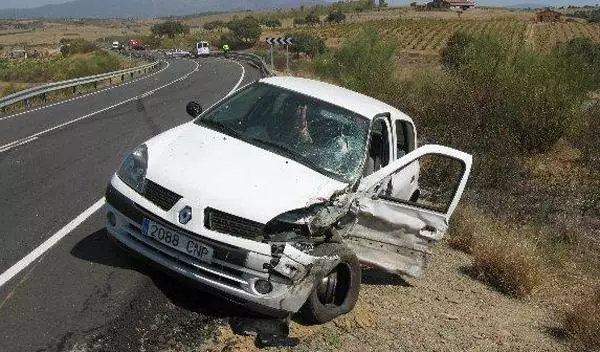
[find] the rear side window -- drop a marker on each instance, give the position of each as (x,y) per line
(405,142)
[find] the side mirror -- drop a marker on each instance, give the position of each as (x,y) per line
(193,109)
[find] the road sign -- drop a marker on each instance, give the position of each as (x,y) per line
(279,41)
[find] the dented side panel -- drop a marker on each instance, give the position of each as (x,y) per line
(395,240)
(395,235)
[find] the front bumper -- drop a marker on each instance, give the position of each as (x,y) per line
(233,272)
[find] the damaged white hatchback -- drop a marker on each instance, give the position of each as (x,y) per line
(276,195)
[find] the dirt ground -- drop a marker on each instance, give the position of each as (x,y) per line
(445,310)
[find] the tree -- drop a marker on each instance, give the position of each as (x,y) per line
(169,29)
(336,17)
(299,21)
(244,32)
(306,43)
(312,18)
(212,25)
(272,22)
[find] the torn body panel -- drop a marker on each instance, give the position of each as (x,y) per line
(301,272)
(397,242)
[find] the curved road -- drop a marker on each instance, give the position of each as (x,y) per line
(83,293)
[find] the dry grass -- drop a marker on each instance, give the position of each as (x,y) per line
(508,262)
(502,257)
(582,323)
(465,226)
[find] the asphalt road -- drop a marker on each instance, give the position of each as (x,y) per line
(84,293)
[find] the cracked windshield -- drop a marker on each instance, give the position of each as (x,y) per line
(323,136)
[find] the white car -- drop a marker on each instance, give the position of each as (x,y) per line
(202,49)
(275,195)
(116,45)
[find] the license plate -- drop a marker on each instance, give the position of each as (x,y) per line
(177,241)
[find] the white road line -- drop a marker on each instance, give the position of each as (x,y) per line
(22,141)
(85,95)
(42,248)
(241,78)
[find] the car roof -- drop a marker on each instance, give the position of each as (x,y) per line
(348,99)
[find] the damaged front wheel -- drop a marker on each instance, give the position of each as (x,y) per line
(337,292)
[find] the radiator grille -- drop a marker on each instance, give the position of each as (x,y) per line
(232,225)
(160,196)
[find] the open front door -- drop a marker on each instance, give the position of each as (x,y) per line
(397,235)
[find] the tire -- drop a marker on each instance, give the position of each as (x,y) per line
(337,292)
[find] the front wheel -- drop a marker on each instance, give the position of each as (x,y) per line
(337,292)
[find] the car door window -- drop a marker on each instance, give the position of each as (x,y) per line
(378,155)
(439,177)
(405,138)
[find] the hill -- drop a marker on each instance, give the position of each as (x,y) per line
(144,8)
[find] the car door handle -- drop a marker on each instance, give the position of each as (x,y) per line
(413,179)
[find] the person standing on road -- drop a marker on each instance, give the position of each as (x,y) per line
(225,49)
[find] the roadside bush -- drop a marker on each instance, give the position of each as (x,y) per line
(307,44)
(9,89)
(272,22)
(59,68)
(336,17)
(532,95)
(312,19)
(299,21)
(463,229)
(455,52)
(76,46)
(365,63)
(586,134)
(582,323)
(507,262)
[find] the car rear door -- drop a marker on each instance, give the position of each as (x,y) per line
(397,235)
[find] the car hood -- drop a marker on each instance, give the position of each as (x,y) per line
(211,169)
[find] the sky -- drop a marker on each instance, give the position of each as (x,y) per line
(7,4)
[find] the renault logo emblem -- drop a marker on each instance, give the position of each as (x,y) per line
(185,215)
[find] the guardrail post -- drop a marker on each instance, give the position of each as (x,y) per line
(122,78)
(74,89)
(131,75)
(96,85)
(44,98)
(26,103)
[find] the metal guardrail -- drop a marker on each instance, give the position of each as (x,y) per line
(43,90)
(253,59)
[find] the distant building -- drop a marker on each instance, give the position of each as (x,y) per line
(548,15)
(446,4)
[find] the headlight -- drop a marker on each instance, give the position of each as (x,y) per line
(133,169)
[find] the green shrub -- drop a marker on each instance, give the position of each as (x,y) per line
(76,46)
(586,134)
(364,63)
(306,43)
(244,33)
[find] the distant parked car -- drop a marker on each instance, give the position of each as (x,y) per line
(276,194)
(202,49)
(117,45)
(135,44)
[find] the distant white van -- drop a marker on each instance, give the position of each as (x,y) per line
(202,49)
(116,45)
